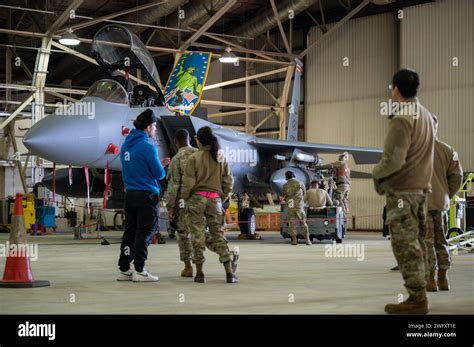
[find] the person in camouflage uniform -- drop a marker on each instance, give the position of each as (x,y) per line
(175,203)
(293,193)
(343,182)
(206,182)
(446,181)
(403,175)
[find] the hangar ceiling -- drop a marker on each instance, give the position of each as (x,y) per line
(39,72)
(160,26)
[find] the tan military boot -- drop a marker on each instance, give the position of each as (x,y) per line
(294,240)
(199,278)
(443,282)
(431,285)
(230,276)
(308,241)
(415,304)
(188,269)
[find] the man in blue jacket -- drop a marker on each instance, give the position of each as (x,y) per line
(141,172)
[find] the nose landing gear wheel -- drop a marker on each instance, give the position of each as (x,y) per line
(248,225)
(248,221)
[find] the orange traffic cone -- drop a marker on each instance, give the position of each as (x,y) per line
(17,268)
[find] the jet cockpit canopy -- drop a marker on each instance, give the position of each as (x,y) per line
(117,50)
(108,90)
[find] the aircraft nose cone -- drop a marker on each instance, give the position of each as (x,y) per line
(70,140)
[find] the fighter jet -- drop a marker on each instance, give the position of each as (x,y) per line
(91,132)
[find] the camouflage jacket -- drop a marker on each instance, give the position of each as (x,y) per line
(175,175)
(317,198)
(447,177)
(343,174)
(407,159)
(294,192)
(203,173)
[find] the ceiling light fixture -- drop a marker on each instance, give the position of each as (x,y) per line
(69,39)
(228,57)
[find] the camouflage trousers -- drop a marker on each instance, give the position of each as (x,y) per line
(296,215)
(406,217)
(184,236)
(436,244)
(341,194)
(202,211)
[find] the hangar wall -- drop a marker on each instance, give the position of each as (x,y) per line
(438,33)
(236,93)
(343,102)
(344,95)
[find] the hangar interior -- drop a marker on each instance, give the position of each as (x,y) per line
(348,52)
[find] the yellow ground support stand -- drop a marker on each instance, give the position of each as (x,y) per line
(457,209)
(458,236)
(29,211)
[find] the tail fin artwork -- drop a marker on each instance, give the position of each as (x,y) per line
(295,103)
(184,88)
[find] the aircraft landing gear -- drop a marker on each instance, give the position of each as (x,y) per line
(247,222)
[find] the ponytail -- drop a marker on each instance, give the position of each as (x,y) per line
(215,148)
(207,138)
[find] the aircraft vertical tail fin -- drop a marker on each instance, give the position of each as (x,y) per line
(295,103)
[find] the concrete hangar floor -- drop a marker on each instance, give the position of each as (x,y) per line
(275,277)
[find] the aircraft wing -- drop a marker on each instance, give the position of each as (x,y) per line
(362,155)
(360,174)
